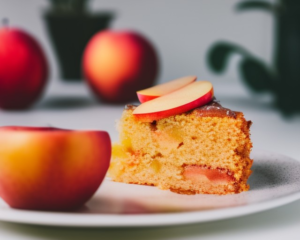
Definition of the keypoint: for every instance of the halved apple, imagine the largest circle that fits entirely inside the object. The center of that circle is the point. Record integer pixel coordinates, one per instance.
(191, 96)
(51, 169)
(165, 88)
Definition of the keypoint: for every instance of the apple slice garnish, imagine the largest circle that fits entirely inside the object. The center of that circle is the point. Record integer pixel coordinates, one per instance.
(187, 98)
(165, 88)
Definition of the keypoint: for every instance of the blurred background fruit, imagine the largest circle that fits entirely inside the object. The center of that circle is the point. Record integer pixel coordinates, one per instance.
(23, 69)
(116, 64)
(70, 25)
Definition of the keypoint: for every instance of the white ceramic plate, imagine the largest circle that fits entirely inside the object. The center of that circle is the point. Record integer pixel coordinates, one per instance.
(275, 181)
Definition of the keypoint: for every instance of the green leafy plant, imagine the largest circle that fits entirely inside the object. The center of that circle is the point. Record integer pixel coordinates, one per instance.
(282, 78)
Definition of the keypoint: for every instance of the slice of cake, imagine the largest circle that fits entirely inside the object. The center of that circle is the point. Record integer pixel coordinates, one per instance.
(204, 150)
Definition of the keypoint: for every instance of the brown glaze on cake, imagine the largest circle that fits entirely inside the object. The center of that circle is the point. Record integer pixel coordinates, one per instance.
(130, 106)
(214, 109)
(211, 109)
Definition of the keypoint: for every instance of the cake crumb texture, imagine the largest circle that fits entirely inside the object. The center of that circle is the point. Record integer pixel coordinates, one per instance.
(185, 153)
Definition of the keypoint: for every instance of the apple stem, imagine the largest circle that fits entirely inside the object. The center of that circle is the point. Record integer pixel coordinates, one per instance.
(5, 22)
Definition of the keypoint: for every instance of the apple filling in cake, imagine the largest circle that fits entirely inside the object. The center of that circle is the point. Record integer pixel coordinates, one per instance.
(205, 150)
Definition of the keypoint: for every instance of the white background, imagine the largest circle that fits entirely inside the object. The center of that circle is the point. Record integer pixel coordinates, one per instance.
(182, 32)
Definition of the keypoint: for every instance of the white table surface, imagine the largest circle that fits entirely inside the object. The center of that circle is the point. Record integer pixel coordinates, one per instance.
(71, 106)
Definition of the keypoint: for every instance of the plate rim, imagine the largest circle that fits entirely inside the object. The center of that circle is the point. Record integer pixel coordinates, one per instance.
(146, 220)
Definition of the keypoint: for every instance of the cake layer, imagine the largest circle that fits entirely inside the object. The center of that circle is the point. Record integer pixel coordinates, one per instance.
(205, 150)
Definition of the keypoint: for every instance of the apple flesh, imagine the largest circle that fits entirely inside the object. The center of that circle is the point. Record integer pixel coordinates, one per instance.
(163, 89)
(51, 169)
(199, 173)
(23, 69)
(118, 63)
(185, 99)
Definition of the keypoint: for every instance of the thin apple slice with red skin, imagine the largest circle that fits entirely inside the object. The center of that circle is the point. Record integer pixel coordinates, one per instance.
(148, 94)
(185, 99)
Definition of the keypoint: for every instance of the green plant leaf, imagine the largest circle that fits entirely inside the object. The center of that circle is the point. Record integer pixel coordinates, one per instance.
(218, 55)
(256, 75)
(262, 5)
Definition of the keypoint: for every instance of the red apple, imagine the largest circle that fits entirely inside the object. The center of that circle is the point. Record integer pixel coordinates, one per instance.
(191, 96)
(165, 88)
(117, 64)
(50, 168)
(23, 69)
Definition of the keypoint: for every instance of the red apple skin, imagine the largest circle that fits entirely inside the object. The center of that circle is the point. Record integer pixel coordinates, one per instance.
(145, 98)
(150, 117)
(117, 64)
(23, 69)
(51, 169)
